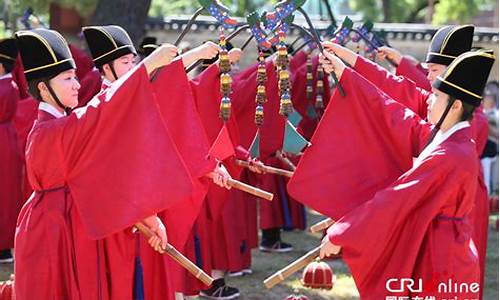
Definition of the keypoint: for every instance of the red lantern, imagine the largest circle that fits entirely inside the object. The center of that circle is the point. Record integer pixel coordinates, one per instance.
(494, 204)
(318, 275)
(7, 290)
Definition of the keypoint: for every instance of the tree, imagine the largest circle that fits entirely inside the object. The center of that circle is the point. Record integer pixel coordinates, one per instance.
(239, 8)
(409, 11)
(130, 14)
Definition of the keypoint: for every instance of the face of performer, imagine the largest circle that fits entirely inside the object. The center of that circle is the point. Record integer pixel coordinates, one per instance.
(65, 86)
(121, 65)
(435, 70)
(437, 103)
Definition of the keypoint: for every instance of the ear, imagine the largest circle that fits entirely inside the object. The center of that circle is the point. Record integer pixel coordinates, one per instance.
(457, 105)
(106, 68)
(42, 86)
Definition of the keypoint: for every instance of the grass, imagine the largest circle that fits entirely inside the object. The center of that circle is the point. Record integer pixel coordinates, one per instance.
(265, 264)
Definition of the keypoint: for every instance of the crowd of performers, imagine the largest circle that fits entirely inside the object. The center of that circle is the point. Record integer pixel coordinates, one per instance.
(94, 144)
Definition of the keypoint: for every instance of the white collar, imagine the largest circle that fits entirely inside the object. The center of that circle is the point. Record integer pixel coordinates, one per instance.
(6, 76)
(50, 109)
(440, 138)
(106, 81)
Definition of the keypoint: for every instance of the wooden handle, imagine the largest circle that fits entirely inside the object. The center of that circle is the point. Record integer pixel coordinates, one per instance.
(247, 188)
(281, 156)
(179, 257)
(295, 266)
(322, 225)
(266, 169)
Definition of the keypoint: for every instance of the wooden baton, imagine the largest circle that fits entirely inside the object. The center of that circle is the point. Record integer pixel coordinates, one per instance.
(295, 266)
(179, 257)
(281, 156)
(266, 169)
(322, 225)
(247, 188)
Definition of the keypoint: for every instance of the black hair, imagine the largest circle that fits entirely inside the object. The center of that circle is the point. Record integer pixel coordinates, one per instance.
(33, 89)
(468, 109)
(101, 68)
(8, 66)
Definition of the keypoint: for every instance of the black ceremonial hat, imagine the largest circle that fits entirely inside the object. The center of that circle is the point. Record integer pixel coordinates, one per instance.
(8, 51)
(44, 53)
(466, 77)
(148, 45)
(107, 43)
(449, 42)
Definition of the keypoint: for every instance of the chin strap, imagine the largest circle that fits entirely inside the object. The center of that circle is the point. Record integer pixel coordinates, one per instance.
(439, 123)
(66, 109)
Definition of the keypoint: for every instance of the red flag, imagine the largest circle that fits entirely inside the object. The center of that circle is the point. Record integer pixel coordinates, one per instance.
(222, 147)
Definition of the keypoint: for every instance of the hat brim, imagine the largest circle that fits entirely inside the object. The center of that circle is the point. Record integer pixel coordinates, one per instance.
(112, 55)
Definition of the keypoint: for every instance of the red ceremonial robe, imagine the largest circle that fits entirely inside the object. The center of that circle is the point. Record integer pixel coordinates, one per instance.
(299, 97)
(283, 211)
(407, 69)
(26, 114)
(78, 202)
(229, 248)
(399, 223)
(11, 199)
(406, 92)
(181, 118)
(297, 61)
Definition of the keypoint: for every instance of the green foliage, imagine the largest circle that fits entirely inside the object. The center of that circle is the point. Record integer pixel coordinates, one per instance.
(239, 8)
(446, 11)
(85, 7)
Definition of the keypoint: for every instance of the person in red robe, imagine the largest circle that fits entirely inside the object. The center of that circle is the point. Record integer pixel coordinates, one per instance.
(113, 62)
(399, 231)
(231, 213)
(189, 134)
(90, 180)
(448, 42)
(10, 156)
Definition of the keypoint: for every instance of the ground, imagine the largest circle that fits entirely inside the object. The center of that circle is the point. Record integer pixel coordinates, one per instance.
(265, 264)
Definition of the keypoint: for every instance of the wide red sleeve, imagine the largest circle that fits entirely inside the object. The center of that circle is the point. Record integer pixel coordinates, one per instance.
(243, 106)
(383, 237)
(366, 130)
(480, 129)
(120, 163)
(407, 69)
(399, 88)
(178, 108)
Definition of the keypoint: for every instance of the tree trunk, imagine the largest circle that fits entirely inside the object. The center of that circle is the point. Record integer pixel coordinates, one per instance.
(129, 14)
(386, 9)
(430, 11)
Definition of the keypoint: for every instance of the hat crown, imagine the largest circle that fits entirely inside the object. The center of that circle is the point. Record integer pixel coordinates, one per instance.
(466, 77)
(148, 45)
(107, 43)
(44, 52)
(8, 49)
(449, 42)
